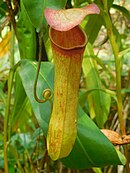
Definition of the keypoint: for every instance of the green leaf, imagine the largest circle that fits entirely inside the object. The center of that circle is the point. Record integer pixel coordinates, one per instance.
(35, 9)
(84, 94)
(20, 102)
(99, 102)
(2, 96)
(55, 4)
(78, 3)
(100, 3)
(97, 170)
(118, 38)
(110, 2)
(121, 156)
(13, 155)
(125, 12)
(92, 27)
(3, 10)
(46, 76)
(127, 90)
(1, 163)
(26, 35)
(91, 148)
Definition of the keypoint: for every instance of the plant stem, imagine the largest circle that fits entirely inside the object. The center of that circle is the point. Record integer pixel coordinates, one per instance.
(117, 67)
(118, 81)
(12, 42)
(12, 47)
(115, 49)
(11, 14)
(6, 119)
(7, 110)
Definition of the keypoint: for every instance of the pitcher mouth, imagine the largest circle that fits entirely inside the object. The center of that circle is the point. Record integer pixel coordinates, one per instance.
(74, 38)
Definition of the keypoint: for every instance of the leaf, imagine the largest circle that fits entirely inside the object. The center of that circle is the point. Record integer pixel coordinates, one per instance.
(2, 96)
(123, 52)
(3, 9)
(13, 158)
(97, 170)
(91, 148)
(109, 3)
(93, 26)
(99, 102)
(20, 101)
(35, 9)
(28, 73)
(78, 3)
(125, 12)
(85, 94)
(55, 4)
(26, 35)
(64, 20)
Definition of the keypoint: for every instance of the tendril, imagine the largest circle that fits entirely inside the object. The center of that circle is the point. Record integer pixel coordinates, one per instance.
(46, 94)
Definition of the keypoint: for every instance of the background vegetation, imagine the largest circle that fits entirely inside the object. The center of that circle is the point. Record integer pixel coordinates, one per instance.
(104, 100)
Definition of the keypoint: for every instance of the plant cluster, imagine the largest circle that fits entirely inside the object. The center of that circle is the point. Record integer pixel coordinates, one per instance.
(32, 89)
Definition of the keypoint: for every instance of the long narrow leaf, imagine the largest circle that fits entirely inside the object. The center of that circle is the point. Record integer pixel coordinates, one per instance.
(20, 101)
(99, 102)
(125, 12)
(93, 27)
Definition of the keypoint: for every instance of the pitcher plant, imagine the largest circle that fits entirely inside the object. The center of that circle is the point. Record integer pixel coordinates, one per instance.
(68, 42)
